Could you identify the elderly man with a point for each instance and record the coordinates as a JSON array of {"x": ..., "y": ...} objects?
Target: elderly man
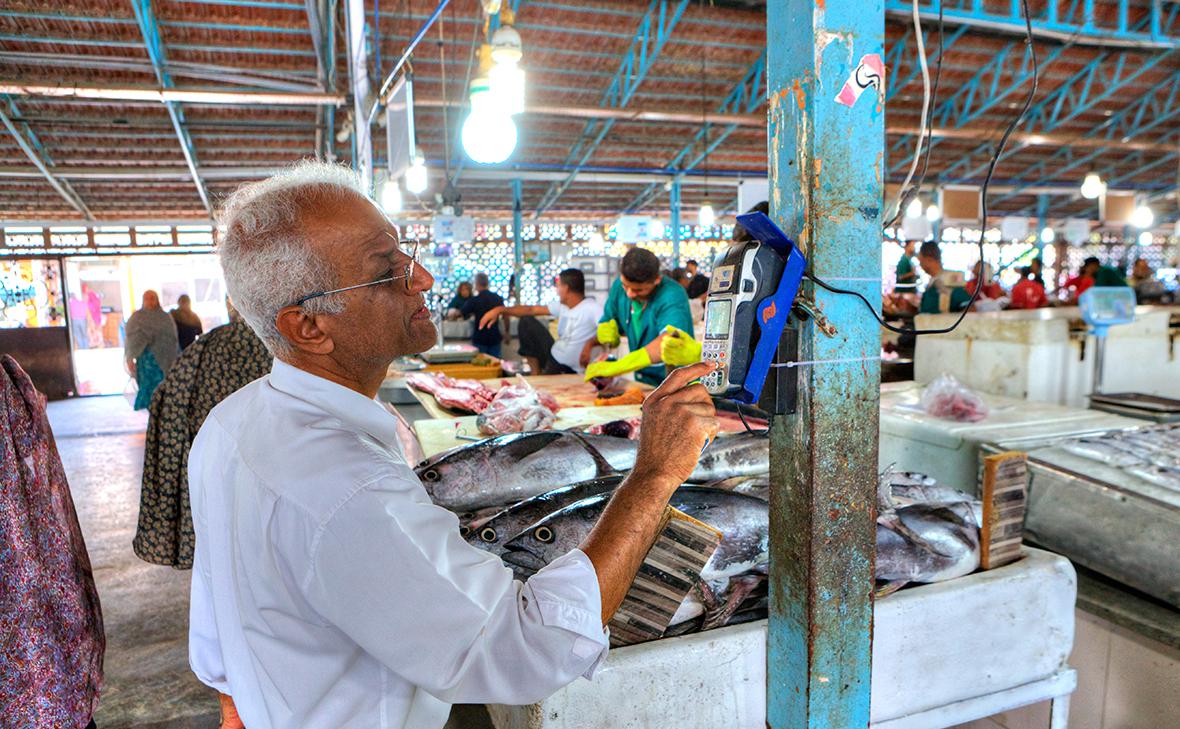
[{"x": 328, "y": 591}]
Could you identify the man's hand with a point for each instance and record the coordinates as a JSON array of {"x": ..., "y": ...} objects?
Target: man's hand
[
  {"x": 131, "y": 368},
  {"x": 678, "y": 420},
  {"x": 491, "y": 317},
  {"x": 678, "y": 348},
  {"x": 608, "y": 333}
]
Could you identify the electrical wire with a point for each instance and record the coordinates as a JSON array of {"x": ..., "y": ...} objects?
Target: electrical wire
[
  {"x": 917, "y": 187},
  {"x": 925, "y": 110},
  {"x": 991, "y": 168}
]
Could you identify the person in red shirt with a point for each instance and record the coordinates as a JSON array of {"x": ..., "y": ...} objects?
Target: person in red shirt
[
  {"x": 991, "y": 288},
  {"x": 1084, "y": 280},
  {"x": 1029, "y": 292}
]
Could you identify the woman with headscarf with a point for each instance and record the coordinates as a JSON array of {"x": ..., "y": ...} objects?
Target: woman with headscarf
[
  {"x": 217, "y": 365},
  {"x": 188, "y": 324},
  {"x": 152, "y": 346},
  {"x": 50, "y": 618}
]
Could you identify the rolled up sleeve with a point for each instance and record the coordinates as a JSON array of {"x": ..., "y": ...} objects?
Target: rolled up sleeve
[{"x": 390, "y": 570}]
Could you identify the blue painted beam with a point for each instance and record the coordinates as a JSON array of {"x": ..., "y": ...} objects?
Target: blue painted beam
[
  {"x": 1157, "y": 106},
  {"x": 674, "y": 197},
  {"x": 746, "y": 97},
  {"x": 31, "y": 145},
  {"x": 1076, "y": 24},
  {"x": 150, "y": 28},
  {"x": 825, "y": 192},
  {"x": 517, "y": 241},
  {"x": 1092, "y": 85},
  {"x": 650, "y": 37}
]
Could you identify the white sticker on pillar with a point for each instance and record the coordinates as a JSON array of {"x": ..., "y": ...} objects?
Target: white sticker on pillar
[{"x": 869, "y": 72}]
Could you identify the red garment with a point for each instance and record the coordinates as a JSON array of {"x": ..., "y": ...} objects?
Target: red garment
[
  {"x": 51, "y": 637},
  {"x": 1079, "y": 284},
  {"x": 1028, "y": 294},
  {"x": 991, "y": 289}
]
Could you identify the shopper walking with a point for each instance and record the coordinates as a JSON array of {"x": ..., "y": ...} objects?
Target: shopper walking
[
  {"x": 188, "y": 324},
  {"x": 152, "y": 346}
]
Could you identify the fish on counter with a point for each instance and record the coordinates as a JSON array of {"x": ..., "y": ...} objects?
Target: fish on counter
[
  {"x": 1101, "y": 451},
  {"x": 947, "y": 544},
  {"x": 511, "y": 468},
  {"x": 492, "y": 533},
  {"x": 743, "y": 521}
]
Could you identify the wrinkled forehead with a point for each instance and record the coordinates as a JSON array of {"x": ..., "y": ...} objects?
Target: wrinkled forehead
[{"x": 348, "y": 230}]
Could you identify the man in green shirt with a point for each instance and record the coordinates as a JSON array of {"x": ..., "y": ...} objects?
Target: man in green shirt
[
  {"x": 907, "y": 277},
  {"x": 945, "y": 292},
  {"x": 642, "y": 303}
]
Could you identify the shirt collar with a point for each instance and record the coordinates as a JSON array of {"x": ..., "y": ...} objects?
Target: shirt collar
[{"x": 349, "y": 406}]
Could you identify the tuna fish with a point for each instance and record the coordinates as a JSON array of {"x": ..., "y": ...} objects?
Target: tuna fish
[
  {"x": 494, "y": 532},
  {"x": 743, "y": 521},
  {"x": 511, "y": 468},
  {"x": 947, "y": 544}
]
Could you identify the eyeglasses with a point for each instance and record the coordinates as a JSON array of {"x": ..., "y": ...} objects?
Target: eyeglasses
[{"x": 408, "y": 277}]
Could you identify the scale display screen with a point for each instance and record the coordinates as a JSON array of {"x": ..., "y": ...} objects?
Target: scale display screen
[{"x": 717, "y": 319}]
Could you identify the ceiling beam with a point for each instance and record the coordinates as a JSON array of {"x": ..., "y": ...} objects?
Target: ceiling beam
[
  {"x": 749, "y": 94},
  {"x": 149, "y": 27},
  {"x": 650, "y": 37},
  {"x": 172, "y": 95},
  {"x": 1073, "y": 24},
  {"x": 42, "y": 163}
]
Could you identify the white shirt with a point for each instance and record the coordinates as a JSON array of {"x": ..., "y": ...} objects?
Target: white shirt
[
  {"x": 328, "y": 591},
  {"x": 574, "y": 326}
]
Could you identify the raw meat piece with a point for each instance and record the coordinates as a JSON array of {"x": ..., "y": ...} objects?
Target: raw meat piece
[{"x": 468, "y": 395}]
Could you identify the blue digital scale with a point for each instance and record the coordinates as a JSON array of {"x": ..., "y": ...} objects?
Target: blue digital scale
[{"x": 750, "y": 297}]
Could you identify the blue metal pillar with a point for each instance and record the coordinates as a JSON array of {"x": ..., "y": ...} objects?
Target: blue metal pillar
[
  {"x": 674, "y": 204},
  {"x": 517, "y": 244},
  {"x": 1042, "y": 220},
  {"x": 826, "y": 193}
]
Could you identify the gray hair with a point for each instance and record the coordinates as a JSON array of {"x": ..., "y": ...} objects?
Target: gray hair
[{"x": 266, "y": 257}]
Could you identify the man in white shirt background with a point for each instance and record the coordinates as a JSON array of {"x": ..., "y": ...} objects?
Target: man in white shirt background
[
  {"x": 577, "y": 323},
  {"x": 327, "y": 590}
]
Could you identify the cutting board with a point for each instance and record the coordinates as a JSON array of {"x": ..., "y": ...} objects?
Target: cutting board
[
  {"x": 570, "y": 391},
  {"x": 440, "y": 434}
]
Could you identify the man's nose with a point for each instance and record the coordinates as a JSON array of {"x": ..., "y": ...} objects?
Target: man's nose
[{"x": 423, "y": 280}]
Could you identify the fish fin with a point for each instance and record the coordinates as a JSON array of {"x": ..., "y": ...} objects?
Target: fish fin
[
  {"x": 604, "y": 467},
  {"x": 739, "y": 589},
  {"x": 887, "y": 588}
]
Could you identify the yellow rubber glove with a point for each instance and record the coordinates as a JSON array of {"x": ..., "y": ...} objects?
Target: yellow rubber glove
[
  {"x": 608, "y": 334},
  {"x": 678, "y": 348},
  {"x": 637, "y": 360}
]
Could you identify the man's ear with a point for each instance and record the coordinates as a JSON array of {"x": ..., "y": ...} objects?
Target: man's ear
[{"x": 303, "y": 332}]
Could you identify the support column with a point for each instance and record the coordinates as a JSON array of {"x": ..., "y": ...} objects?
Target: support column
[
  {"x": 674, "y": 204},
  {"x": 517, "y": 244},
  {"x": 1042, "y": 220},
  {"x": 826, "y": 193},
  {"x": 358, "y": 69}
]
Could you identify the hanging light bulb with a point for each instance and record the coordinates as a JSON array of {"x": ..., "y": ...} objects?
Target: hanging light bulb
[
  {"x": 656, "y": 229},
  {"x": 506, "y": 76},
  {"x": 391, "y": 197},
  {"x": 915, "y": 209},
  {"x": 706, "y": 216},
  {"x": 1146, "y": 238},
  {"x": 1048, "y": 235},
  {"x": 416, "y": 179},
  {"x": 596, "y": 243},
  {"x": 488, "y": 134},
  {"x": 1092, "y": 186},
  {"x": 1142, "y": 217},
  {"x": 933, "y": 213}
]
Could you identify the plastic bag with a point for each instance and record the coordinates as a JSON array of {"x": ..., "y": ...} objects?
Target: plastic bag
[
  {"x": 948, "y": 398},
  {"x": 131, "y": 391},
  {"x": 518, "y": 408}
]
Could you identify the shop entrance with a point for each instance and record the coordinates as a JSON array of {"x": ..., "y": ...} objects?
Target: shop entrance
[{"x": 106, "y": 290}]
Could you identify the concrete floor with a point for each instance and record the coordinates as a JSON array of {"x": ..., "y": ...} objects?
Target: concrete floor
[{"x": 148, "y": 684}]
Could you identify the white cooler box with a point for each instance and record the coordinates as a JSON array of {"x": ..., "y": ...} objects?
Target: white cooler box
[
  {"x": 949, "y": 450},
  {"x": 943, "y": 654}
]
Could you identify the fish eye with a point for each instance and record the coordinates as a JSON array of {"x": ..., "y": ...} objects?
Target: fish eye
[
  {"x": 543, "y": 534},
  {"x": 487, "y": 534},
  {"x": 431, "y": 475},
  {"x": 464, "y": 531}
]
